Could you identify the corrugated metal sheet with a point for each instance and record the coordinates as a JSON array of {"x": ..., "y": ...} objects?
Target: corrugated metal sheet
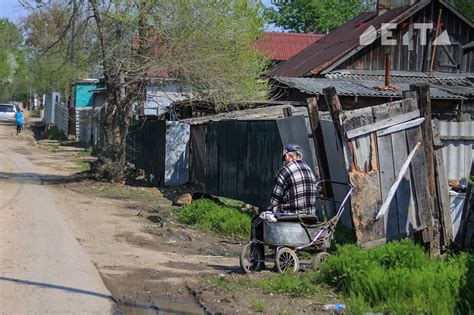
[
  {"x": 244, "y": 156},
  {"x": 61, "y": 117},
  {"x": 457, "y": 152},
  {"x": 242, "y": 160},
  {"x": 356, "y": 88},
  {"x": 177, "y": 153},
  {"x": 146, "y": 147}
]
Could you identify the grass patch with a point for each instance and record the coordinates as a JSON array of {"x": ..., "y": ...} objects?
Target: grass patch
[
  {"x": 208, "y": 216},
  {"x": 125, "y": 192},
  {"x": 258, "y": 306},
  {"x": 83, "y": 166},
  {"x": 293, "y": 284},
  {"x": 229, "y": 284},
  {"x": 397, "y": 278},
  {"x": 35, "y": 113},
  {"x": 55, "y": 134}
]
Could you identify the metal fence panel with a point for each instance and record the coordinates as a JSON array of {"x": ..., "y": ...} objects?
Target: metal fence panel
[
  {"x": 61, "y": 117},
  {"x": 242, "y": 160},
  {"x": 146, "y": 147}
]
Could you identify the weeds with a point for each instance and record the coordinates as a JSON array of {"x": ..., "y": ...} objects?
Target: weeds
[
  {"x": 209, "y": 216},
  {"x": 35, "y": 113},
  {"x": 397, "y": 278},
  {"x": 125, "y": 192},
  {"x": 55, "y": 134},
  {"x": 83, "y": 166},
  {"x": 258, "y": 306},
  {"x": 293, "y": 284}
]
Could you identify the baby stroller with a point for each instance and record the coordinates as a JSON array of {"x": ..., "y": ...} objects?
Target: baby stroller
[{"x": 292, "y": 233}]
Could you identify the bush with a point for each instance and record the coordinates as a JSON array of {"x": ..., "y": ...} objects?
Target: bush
[
  {"x": 397, "y": 278},
  {"x": 207, "y": 215},
  {"x": 55, "y": 134},
  {"x": 35, "y": 113}
]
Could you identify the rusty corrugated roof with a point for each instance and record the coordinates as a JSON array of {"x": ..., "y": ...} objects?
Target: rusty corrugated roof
[{"x": 329, "y": 49}]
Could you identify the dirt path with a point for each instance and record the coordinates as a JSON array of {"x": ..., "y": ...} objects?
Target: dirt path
[{"x": 43, "y": 269}]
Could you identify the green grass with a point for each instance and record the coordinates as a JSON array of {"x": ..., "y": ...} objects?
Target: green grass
[
  {"x": 297, "y": 285},
  {"x": 83, "y": 166},
  {"x": 397, "y": 278},
  {"x": 208, "y": 216},
  {"x": 55, "y": 134},
  {"x": 35, "y": 113},
  {"x": 229, "y": 284},
  {"x": 258, "y": 306},
  {"x": 125, "y": 192}
]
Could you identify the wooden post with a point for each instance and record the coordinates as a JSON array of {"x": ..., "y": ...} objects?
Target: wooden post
[
  {"x": 287, "y": 112},
  {"x": 424, "y": 103},
  {"x": 318, "y": 138},
  {"x": 335, "y": 109}
]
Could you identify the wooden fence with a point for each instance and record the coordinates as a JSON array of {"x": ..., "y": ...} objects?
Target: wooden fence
[{"x": 390, "y": 158}]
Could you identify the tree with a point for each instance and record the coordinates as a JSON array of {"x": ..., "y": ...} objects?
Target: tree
[
  {"x": 206, "y": 45},
  {"x": 12, "y": 59},
  {"x": 315, "y": 16},
  {"x": 466, "y": 7}
]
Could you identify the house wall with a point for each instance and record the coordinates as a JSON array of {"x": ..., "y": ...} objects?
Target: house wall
[
  {"x": 416, "y": 57},
  {"x": 159, "y": 96},
  {"x": 82, "y": 95}
]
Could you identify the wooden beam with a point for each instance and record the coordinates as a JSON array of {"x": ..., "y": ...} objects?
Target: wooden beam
[
  {"x": 382, "y": 124},
  {"x": 318, "y": 139},
  {"x": 335, "y": 109},
  {"x": 393, "y": 189},
  {"x": 424, "y": 104},
  {"x": 442, "y": 191},
  {"x": 400, "y": 127}
]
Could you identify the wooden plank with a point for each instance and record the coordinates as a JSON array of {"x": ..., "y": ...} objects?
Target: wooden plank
[
  {"x": 382, "y": 124},
  {"x": 400, "y": 127},
  {"x": 405, "y": 198},
  {"x": 420, "y": 183},
  {"x": 394, "y": 187},
  {"x": 442, "y": 190},
  {"x": 387, "y": 178},
  {"x": 424, "y": 103},
  {"x": 365, "y": 201}
]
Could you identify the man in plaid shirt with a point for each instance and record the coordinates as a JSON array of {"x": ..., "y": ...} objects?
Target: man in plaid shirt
[{"x": 295, "y": 184}]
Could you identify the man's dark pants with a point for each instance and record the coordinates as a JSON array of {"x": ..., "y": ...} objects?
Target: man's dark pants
[{"x": 18, "y": 128}]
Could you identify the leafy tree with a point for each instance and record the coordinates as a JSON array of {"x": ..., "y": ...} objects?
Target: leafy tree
[
  {"x": 315, "y": 16},
  {"x": 466, "y": 7},
  {"x": 12, "y": 61},
  {"x": 206, "y": 45}
]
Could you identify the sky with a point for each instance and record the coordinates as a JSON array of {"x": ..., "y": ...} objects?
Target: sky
[{"x": 10, "y": 9}]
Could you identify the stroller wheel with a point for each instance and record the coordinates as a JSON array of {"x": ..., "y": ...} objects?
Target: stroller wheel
[
  {"x": 251, "y": 258},
  {"x": 286, "y": 260},
  {"x": 319, "y": 258}
]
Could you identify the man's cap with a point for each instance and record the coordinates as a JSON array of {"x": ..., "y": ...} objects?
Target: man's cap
[{"x": 292, "y": 148}]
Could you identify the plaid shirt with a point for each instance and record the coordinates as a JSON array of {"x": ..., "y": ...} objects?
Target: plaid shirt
[{"x": 295, "y": 189}]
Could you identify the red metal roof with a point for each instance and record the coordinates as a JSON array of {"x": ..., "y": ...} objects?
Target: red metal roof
[
  {"x": 326, "y": 51},
  {"x": 281, "y": 46}
]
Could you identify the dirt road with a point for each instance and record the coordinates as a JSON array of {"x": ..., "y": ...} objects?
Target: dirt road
[{"x": 43, "y": 269}]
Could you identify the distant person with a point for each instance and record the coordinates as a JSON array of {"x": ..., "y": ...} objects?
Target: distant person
[{"x": 19, "y": 121}]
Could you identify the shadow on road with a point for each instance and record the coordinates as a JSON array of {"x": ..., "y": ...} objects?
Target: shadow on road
[
  {"x": 57, "y": 287},
  {"x": 43, "y": 179},
  {"x": 122, "y": 305}
]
